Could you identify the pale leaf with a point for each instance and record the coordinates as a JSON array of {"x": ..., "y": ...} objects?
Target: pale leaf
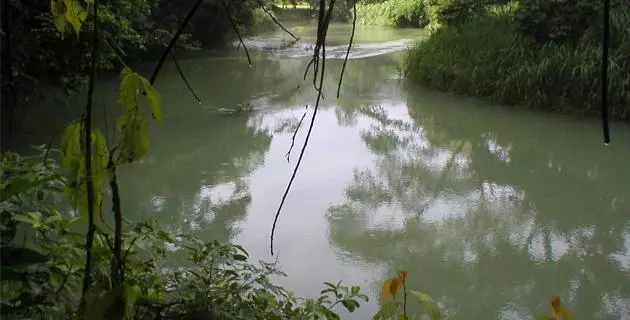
[{"x": 428, "y": 303}]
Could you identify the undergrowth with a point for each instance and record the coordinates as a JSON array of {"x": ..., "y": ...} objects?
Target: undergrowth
[{"x": 394, "y": 13}]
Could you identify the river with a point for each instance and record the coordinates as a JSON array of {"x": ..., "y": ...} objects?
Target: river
[{"x": 490, "y": 209}]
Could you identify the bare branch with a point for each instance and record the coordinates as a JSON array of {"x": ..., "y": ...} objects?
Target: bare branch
[
  {"x": 181, "y": 73},
  {"x": 235, "y": 28},
  {"x": 288, "y": 155},
  {"x": 354, "y": 25},
  {"x": 322, "y": 26},
  {"x": 174, "y": 39},
  {"x": 262, "y": 5},
  {"x": 87, "y": 126}
]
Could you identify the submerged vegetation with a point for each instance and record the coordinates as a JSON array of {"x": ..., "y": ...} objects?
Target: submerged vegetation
[{"x": 542, "y": 54}]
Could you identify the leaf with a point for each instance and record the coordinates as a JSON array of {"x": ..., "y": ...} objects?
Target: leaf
[
  {"x": 350, "y": 304},
  {"x": 133, "y": 136},
  {"x": 240, "y": 257},
  {"x": 128, "y": 91},
  {"x": 387, "y": 311},
  {"x": 390, "y": 287},
  {"x": 75, "y": 14},
  {"x": 71, "y": 144},
  {"x": 58, "y": 10},
  {"x": 22, "y": 185},
  {"x": 15, "y": 257},
  {"x": 428, "y": 303},
  {"x": 153, "y": 98},
  {"x": 116, "y": 304},
  {"x": 355, "y": 290}
]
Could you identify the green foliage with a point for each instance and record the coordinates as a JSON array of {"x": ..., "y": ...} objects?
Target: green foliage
[
  {"x": 73, "y": 159},
  {"x": 458, "y": 12},
  {"x": 558, "y": 21},
  {"x": 488, "y": 58},
  {"x": 395, "y": 13},
  {"x": 132, "y": 125}
]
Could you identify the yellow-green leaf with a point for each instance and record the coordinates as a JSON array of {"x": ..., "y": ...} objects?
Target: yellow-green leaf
[
  {"x": 71, "y": 144},
  {"x": 428, "y": 304},
  {"x": 76, "y": 14},
  {"x": 153, "y": 98},
  {"x": 58, "y": 10},
  {"x": 133, "y": 136},
  {"x": 128, "y": 88}
]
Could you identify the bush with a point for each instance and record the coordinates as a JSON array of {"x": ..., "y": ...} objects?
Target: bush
[
  {"x": 395, "y": 13},
  {"x": 457, "y": 12},
  {"x": 489, "y": 59}
]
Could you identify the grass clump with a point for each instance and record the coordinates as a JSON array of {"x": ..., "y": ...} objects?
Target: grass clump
[
  {"x": 394, "y": 13},
  {"x": 490, "y": 57}
]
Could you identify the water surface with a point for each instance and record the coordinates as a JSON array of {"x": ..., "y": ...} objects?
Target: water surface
[{"x": 491, "y": 209}]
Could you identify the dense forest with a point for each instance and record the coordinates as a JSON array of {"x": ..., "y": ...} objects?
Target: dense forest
[{"x": 62, "y": 260}]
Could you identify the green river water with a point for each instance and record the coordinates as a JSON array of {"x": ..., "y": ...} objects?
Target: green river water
[{"x": 491, "y": 209}]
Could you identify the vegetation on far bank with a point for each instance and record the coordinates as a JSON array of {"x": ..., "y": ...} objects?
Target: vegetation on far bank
[{"x": 539, "y": 53}]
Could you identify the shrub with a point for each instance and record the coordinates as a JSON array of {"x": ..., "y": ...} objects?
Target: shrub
[
  {"x": 489, "y": 59},
  {"x": 457, "y": 12},
  {"x": 395, "y": 13}
]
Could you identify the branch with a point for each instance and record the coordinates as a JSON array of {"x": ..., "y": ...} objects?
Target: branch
[
  {"x": 174, "y": 39},
  {"x": 354, "y": 25},
  {"x": 118, "y": 274},
  {"x": 605, "y": 45},
  {"x": 262, "y": 5},
  {"x": 288, "y": 155},
  {"x": 181, "y": 73},
  {"x": 235, "y": 28},
  {"x": 87, "y": 123},
  {"x": 322, "y": 27}
]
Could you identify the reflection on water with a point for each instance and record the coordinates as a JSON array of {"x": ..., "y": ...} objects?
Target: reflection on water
[
  {"x": 490, "y": 209},
  {"x": 493, "y": 211}
]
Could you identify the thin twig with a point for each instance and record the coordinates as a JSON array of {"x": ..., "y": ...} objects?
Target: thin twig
[
  {"x": 605, "y": 45},
  {"x": 321, "y": 43},
  {"x": 174, "y": 39},
  {"x": 181, "y": 73},
  {"x": 87, "y": 123},
  {"x": 262, "y": 5},
  {"x": 354, "y": 25},
  {"x": 238, "y": 34},
  {"x": 288, "y": 155}
]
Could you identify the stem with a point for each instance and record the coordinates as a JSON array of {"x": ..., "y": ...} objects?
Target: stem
[
  {"x": 238, "y": 34},
  {"x": 87, "y": 123},
  {"x": 181, "y": 74},
  {"x": 8, "y": 86},
  {"x": 605, "y": 45},
  {"x": 187, "y": 19},
  {"x": 118, "y": 274},
  {"x": 405, "y": 299},
  {"x": 324, "y": 18},
  {"x": 345, "y": 61}
]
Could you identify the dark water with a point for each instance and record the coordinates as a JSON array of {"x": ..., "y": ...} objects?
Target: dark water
[{"x": 491, "y": 210}]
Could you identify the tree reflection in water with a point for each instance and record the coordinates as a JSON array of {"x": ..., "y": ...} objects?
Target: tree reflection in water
[{"x": 489, "y": 216}]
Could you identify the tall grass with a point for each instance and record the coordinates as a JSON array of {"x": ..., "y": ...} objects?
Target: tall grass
[
  {"x": 487, "y": 58},
  {"x": 395, "y": 13}
]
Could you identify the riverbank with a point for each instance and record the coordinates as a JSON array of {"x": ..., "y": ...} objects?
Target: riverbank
[{"x": 501, "y": 56}]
